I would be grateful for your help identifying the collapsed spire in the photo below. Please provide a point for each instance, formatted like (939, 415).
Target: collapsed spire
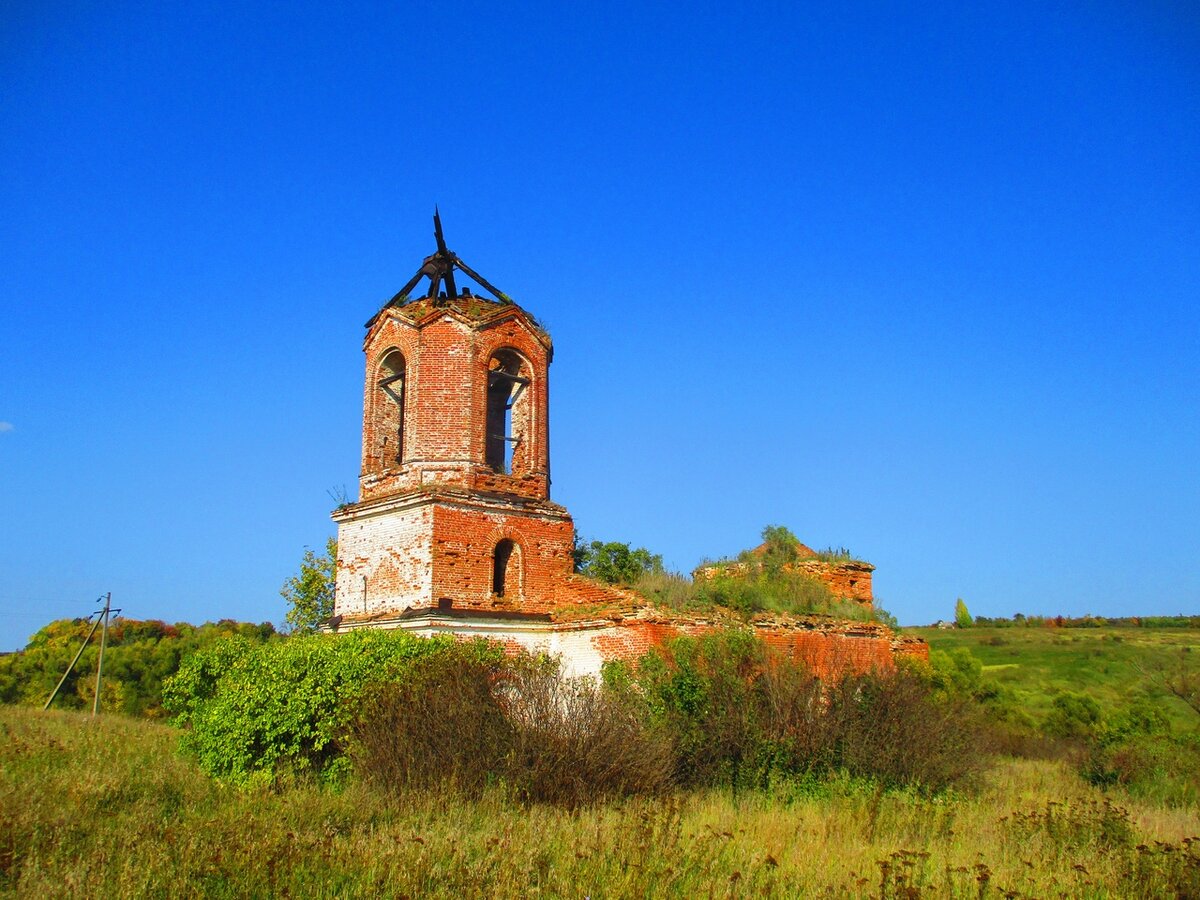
(439, 269)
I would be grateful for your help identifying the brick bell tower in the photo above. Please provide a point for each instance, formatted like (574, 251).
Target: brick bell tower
(454, 516)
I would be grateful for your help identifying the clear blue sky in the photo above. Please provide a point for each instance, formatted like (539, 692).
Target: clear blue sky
(919, 280)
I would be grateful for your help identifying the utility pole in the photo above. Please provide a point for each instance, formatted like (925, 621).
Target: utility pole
(82, 647)
(100, 662)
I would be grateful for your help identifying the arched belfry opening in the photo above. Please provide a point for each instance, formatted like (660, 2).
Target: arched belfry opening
(507, 411)
(506, 569)
(389, 410)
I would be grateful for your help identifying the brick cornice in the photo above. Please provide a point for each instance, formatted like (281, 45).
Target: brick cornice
(425, 315)
(469, 501)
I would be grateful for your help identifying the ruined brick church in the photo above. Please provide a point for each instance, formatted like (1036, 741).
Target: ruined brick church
(454, 530)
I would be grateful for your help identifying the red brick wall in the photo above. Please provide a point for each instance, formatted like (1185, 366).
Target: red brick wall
(849, 581)
(828, 651)
(447, 351)
(464, 539)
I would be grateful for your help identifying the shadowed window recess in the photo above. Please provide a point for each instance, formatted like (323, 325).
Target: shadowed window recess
(506, 569)
(389, 410)
(508, 377)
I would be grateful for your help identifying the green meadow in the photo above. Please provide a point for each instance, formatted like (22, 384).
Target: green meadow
(1116, 666)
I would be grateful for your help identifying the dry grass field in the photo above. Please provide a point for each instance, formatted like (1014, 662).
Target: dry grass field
(108, 807)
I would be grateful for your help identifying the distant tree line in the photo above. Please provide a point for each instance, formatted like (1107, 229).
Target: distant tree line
(1020, 620)
(138, 657)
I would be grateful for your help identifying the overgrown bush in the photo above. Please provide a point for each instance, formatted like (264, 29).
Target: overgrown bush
(441, 725)
(413, 713)
(700, 692)
(740, 715)
(255, 712)
(1073, 716)
(1135, 749)
(765, 579)
(465, 723)
(575, 742)
(749, 592)
(892, 727)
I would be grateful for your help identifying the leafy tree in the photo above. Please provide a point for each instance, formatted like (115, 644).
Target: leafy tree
(615, 563)
(962, 618)
(782, 548)
(310, 593)
(956, 671)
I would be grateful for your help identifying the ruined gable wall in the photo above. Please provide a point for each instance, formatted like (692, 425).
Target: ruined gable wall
(849, 581)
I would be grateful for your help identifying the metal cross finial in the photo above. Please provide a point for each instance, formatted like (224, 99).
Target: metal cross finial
(439, 269)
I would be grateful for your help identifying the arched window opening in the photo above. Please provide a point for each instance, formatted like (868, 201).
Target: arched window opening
(506, 569)
(507, 380)
(389, 430)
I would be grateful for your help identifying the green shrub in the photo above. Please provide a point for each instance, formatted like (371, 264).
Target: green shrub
(1073, 716)
(1135, 749)
(255, 712)
(956, 671)
(700, 691)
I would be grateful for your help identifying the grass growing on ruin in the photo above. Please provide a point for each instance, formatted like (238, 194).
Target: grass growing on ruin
(108, 807)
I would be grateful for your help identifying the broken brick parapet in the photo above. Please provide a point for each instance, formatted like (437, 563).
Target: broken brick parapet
(828, 647)
(470, 309)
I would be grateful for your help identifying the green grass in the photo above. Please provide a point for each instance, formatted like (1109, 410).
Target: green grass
(1037, 663)
(108, 808)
